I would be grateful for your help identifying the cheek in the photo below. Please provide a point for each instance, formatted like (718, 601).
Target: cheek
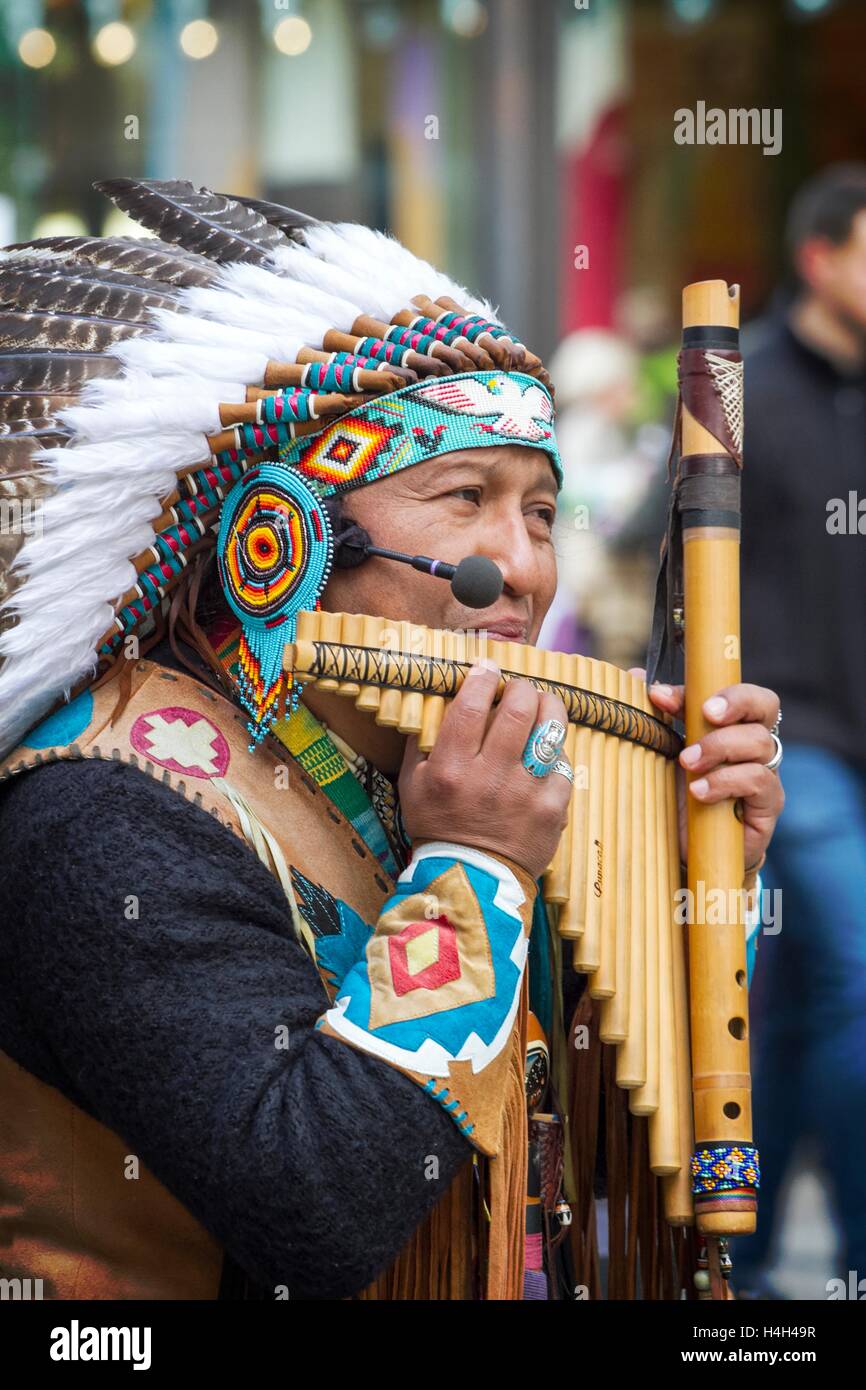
(546, 570)
(545, 589)
(385, 588)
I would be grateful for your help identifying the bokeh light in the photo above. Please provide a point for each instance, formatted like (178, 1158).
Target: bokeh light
(114, 44)
(468, 18)
(36, 48)
(60, 224)
(293, 35)
(199, 38)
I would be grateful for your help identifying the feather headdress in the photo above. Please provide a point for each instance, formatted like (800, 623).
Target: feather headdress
(143, 382)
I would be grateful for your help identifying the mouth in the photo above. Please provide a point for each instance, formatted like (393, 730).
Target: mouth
(505, 630)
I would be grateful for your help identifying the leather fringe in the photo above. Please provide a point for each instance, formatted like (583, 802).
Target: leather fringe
(478, 1228)
(647, 1258)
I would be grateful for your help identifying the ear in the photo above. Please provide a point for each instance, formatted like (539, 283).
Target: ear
(350, 539)
(812, 258)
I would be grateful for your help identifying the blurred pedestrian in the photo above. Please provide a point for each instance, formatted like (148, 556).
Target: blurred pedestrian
(804, 635)
(602, 600)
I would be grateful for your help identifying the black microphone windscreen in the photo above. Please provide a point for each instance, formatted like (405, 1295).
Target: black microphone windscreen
(477, 582)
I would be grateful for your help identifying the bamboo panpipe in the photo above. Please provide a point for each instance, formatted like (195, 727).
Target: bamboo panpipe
(617, 866)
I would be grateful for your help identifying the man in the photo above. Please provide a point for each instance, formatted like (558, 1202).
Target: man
(804, 569)
(275, 1085)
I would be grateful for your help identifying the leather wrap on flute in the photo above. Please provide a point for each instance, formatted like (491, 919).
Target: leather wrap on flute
(708, 502)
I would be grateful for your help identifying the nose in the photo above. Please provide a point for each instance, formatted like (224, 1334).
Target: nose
(508, 542)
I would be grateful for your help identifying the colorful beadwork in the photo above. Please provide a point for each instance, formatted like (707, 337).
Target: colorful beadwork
(725, 1169)
(307, 740)
(274, 552)
(469, 410)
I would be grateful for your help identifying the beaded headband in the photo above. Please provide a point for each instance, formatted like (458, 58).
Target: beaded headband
(467, 411)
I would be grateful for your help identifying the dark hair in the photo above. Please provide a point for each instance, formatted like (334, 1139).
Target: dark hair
(826, 206)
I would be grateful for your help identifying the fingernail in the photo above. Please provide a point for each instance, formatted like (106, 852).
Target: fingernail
(659, 689)
(483, 664)
(716, 706)
(691, 755)
(700, 787)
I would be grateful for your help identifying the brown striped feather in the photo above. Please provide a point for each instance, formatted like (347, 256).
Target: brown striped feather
(31, 286)
(211, 224)
(62, 332)
(148, 257)
(64, 373)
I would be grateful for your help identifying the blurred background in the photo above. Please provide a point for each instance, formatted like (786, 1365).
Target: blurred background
(527, 147)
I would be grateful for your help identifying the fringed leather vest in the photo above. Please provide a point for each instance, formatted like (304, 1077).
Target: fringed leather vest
(68, 1214)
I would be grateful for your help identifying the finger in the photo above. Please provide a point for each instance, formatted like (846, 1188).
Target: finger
(550, 708)
(639, 671)
(759, 788)
(557, 789)
(670, 698)
(515, 717)
(412, 759)
(742, 743)
(461, 733)
(743, 704)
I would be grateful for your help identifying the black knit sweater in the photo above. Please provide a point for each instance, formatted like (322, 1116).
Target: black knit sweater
(147, 960)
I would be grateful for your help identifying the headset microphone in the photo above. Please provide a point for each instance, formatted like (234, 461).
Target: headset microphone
(476, 581)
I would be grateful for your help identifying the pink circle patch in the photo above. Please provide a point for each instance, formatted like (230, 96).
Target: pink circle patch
(181, 740)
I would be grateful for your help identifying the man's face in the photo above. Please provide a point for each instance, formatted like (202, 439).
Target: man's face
(498, 501)
(838, 273)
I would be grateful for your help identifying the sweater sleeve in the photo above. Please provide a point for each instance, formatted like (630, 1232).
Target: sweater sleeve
(458, 923)
(156, 981)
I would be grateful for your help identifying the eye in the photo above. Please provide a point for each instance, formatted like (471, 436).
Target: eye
(546, 514)
(470, 494)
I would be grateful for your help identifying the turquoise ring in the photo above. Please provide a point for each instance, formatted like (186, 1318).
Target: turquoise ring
(543, 748)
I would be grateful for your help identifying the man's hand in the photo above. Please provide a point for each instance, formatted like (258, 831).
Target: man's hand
(729, 761)
(473, 788)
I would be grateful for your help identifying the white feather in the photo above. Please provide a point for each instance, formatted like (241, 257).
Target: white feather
(138, 385)
(308, 269)
(207, 333)
(255, 284)
(182, 359)
(393, 273)
(257, 317)
(159, 415)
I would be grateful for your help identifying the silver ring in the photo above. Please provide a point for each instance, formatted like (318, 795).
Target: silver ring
(777, 756)
(543, 747)
(564, 768)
